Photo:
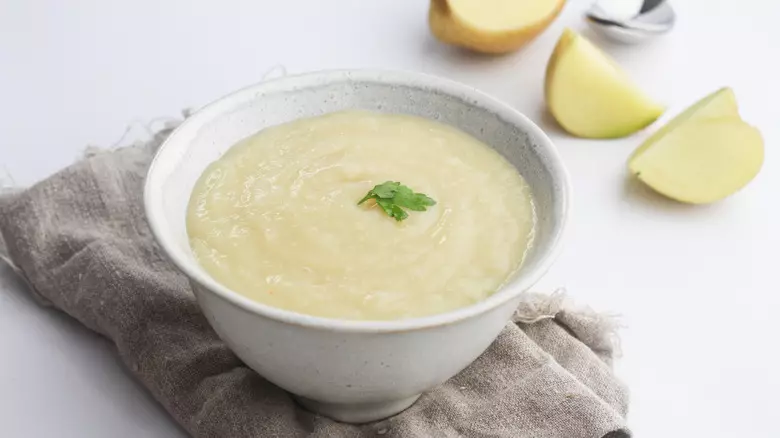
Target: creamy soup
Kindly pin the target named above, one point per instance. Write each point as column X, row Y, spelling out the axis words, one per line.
column 277, row 219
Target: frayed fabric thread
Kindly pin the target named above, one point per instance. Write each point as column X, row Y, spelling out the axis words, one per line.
column 152, row 140
column 535, row 307
column 7, row 183
column 151, row 132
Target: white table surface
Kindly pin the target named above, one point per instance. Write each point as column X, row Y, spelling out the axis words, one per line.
column 696, row 286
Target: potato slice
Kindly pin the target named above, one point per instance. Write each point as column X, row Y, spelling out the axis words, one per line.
column 702, row 160
column 491, row 26
column 721, row 103
column 590, row 95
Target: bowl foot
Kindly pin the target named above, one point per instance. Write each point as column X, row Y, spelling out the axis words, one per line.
column 357, row 412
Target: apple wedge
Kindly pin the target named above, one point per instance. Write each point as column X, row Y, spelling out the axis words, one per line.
column 721, row 103
column 700, row 160
column 491, row 26
column 590, row 95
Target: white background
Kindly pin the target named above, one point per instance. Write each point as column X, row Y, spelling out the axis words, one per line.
column 697, row 287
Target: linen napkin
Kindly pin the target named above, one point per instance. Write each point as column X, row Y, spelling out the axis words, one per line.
column 81, row 241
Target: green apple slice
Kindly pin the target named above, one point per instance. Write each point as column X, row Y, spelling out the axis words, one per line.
column 721, row 103
column 590, row 95
column 702, row 160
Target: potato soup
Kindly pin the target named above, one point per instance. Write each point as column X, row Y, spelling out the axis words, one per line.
column 362, row 216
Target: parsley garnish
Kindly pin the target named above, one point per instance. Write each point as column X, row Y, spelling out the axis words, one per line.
column 393, row 197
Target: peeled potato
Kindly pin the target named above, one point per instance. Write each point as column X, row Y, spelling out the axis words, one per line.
column 721, row 103
column 491, row 26
column 701, row 160
column 590, row 95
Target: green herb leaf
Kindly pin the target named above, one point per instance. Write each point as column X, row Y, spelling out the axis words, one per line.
column 406, row 198
column 399, row 213
column 391, row 196
column 386, row 205
column 387, row 189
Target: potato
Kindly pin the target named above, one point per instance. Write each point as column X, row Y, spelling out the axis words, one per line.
column 590, row 95
column 700, row 160
column 721, row 103
column 491, row 26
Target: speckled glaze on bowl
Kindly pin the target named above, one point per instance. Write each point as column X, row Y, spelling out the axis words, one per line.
column 354, row 371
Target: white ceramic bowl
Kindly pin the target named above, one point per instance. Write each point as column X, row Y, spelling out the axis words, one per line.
column 353, row 371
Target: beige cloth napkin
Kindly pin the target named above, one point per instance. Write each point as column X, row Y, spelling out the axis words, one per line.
column 80, row 240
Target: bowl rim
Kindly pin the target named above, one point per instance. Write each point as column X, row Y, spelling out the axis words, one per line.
column 173, row 149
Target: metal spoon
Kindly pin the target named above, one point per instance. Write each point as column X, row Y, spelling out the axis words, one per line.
column 650, row 18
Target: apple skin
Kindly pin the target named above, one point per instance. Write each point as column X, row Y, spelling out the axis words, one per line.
column 589, row 94
column 449, row 28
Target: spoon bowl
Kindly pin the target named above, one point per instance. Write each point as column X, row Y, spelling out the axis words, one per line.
column 651, row 18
